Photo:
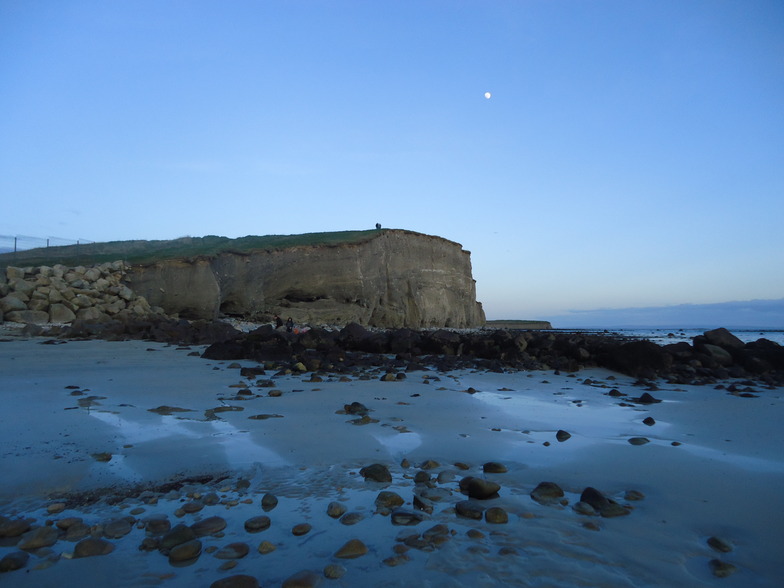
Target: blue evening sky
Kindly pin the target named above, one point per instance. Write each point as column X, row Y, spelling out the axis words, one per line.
column 631, row 154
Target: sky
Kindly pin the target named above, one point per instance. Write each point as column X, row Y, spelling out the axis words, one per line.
column 631, row 153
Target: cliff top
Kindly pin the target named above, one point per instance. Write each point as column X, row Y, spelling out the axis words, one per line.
column 147, row 252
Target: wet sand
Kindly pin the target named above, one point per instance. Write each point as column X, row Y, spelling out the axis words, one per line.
column 712, row 466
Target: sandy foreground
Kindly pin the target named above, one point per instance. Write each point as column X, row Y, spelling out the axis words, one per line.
column 713, row 466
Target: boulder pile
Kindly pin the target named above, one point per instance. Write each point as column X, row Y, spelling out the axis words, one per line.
column 60, row 294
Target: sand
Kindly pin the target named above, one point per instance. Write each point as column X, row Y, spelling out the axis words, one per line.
column 712, row 466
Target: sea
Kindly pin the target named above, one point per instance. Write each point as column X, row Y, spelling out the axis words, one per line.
column 664, row 336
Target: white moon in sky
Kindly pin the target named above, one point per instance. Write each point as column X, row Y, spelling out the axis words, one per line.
column 488, row 95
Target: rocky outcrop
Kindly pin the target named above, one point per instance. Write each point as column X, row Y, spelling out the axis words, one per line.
column 393, row 279
column 60, row 294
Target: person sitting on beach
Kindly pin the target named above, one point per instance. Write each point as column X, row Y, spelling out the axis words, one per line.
column 277, row 321
column 290, row 324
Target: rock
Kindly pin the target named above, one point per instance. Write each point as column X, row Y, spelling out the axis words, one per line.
column 336, row 509
column 376, row 473
column 301, row 529
column 177, row 536
column 60, row 313
column 12, row 303
column 55, row 508
column 547, row 493
column 496, row 515
column 352, row 549
column 493, row 467
column 117, row 528
column 15, row 560
column 14, row 527
column 236, row 550
column 406, row 517
column 638, row 440
column 157, row 525
column 604, row 506
column 720, row 544
column 266, row 547
column 723, row 338
column 721, row 569
column 257, row 524
column 37, row 538
column 470, row 509
column 650, row 421
column 268, row 502
column 356, row 408
column 302, row 579
column 479, row 488
column 236, row 581
column 208, row 526
column 562, row 435
column 29, row 317
column 184, row 552
column 352, row 518
column 92, row 546
column 388, row 500
column 334, row 571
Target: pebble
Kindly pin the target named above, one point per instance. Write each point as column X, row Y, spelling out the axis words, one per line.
column 257, row 524
column 92, row 546
column 266, row 547
column 236, row 581
column 208, row 526
column 547, row 493
column 376, row 473
column 185, row 551
column 117, row 528
column 638, row 440
column 268, row 502
column 37, row 538
column 387, row 500
column 562, row 436
column 236, row 550
column 301, row 529
column 302, row 579
column 334, row 571
column 493, row 467
column 336, row 509
column 721, row 569
column 352, row 518
column 479, row 488
column 406, row 517
column 720, row 544
column 15, row 560
column 352, row 549
column 496, row 515
column 469, row 509
column 177, row 536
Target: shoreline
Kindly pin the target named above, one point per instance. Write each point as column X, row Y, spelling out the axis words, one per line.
column 708, row 452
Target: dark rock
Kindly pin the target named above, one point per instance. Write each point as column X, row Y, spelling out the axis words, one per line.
column 92, row 546
column 493, row 467
column 376, row 473
column 185, row 552
column 257, row 524
column 470, row 509
column 562, row 436
column 547, row 493
column 236, row 581
column 406, row 517
column 479, row 488
column 208, row 526
column 15, row 560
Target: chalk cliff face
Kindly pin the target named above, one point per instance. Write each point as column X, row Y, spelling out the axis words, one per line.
column 395, row 279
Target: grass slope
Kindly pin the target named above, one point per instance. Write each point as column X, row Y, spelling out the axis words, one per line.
column 143, row 252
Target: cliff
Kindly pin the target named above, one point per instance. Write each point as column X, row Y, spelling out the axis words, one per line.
column 394, row 278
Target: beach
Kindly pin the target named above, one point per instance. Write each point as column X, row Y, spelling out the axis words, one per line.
column 137, row 431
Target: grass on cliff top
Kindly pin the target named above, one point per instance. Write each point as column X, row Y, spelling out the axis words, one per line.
column 146, row 252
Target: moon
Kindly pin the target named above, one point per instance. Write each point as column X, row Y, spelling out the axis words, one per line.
column 488, row 95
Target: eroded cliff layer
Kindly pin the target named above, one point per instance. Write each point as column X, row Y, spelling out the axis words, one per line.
column 394, row 278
